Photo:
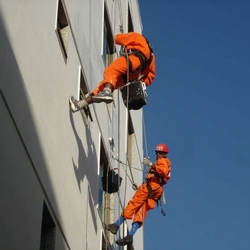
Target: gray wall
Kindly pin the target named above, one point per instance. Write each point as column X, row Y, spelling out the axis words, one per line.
column 47, row 153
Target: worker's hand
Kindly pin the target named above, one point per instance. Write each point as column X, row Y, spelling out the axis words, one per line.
column 135, row 187
column 147, row 162
column 152, row 167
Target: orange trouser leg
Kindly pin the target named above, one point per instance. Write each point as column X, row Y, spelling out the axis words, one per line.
column 114, row 72
column 139, row 198
column 141, row 213
column 139, row 205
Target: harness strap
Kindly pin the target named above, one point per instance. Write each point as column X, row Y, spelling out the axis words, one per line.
column 158, row 201
column 150, row 192
column 143, row 60
column 159, row 177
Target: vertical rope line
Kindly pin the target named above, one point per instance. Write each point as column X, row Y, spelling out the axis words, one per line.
column 130, row 170
column 106, row 195
column 125, row 194
column 119, row 166
column 144, row 134
column 121, row 17
column 138, row 151
column 127, row 114
column 146, row 148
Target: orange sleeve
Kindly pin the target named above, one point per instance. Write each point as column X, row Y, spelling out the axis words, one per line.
column 121, row 39
column 162, row 167
column 150, row 73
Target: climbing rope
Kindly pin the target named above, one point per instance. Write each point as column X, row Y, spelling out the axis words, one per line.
column 119, row 195
column 125, row 164
column 127, row 114
column 120, row 163
column 121, row 17
column 119, row 166
column 144, row 134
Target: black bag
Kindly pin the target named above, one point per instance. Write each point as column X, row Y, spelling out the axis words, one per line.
column 137, row 95
column 112, row 182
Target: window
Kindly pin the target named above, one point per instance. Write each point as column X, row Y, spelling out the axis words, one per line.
column 62, row 29
column 108, row 48
column 109, row 182
column 112, row 105
column 104, row 243
column 130, row 145
column 102, row 177
column 108, row 41
column 130, row 23
column 83, row 91
column 83, row 85
column 48, row 232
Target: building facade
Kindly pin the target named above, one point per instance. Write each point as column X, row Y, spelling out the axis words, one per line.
column 58, row 169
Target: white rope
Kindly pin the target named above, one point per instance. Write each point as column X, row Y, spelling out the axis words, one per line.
column 127, row 115
column 119, row 195
column 144, row 134
column 121, row 17
column 121, row 30
column 119, row 167
column 131, row 179
column 125, row 164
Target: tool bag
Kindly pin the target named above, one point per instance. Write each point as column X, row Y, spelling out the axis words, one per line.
column 112, row 182
column 137, row 95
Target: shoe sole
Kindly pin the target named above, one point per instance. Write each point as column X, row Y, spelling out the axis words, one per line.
column 111, row 231
column 72, row 105
column 124, row 243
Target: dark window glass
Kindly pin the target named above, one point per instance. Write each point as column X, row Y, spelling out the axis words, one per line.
column 48, row 233
column 62, row 29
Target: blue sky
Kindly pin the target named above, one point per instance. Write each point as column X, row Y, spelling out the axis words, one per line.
column 199, row 105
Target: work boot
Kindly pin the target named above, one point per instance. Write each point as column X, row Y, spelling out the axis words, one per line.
column 77, row 105
column 113, row 228
column 125, row 241
column 103, row 96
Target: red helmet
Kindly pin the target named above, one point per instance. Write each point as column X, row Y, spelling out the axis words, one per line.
column 161, row 148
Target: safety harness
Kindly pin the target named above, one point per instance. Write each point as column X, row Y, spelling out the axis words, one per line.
column 143, row 60
column 134, row 93
column 150, row 191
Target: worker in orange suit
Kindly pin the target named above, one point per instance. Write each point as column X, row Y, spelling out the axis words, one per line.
column 145, row 197
column 140, row 64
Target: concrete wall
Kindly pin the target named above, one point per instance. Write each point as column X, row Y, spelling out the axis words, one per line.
column 47, row 153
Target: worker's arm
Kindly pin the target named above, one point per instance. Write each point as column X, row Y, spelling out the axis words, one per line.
column 162, row 167
column 150, row 73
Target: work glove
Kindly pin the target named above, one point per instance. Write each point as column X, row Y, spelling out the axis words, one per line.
column 135, row 187
column 147, row 162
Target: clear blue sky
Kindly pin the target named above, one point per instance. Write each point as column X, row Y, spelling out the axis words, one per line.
column 199, row 104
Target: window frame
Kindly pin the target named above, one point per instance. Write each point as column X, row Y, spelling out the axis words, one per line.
column 108, row 48
column 130, row 21
column 82, row 90
column 108, row 44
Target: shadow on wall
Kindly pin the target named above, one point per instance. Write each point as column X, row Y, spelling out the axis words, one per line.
column 27, row 195
column 83, row 169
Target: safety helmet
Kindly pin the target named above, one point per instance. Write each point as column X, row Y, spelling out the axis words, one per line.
column 161, row 148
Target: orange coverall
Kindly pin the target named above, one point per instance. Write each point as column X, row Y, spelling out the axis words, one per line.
column 114, row 72
column 139, row 205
